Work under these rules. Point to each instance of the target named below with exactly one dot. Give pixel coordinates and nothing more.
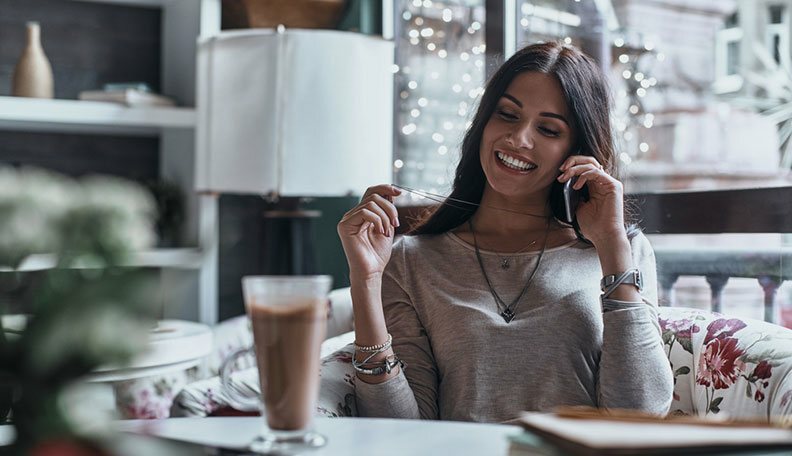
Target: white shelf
(148, 3)
(186, 258)
(75, 116)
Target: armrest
(340, 319)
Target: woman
(489, 310)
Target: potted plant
(87, 311)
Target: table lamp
(293, 114)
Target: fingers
(374, 219)
(375, 210)
(385, 190)
(575, 160)
(589, 173)
(578, 170)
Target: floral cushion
(151, 397)
(206, 397)
(337, 384)
(740, 368)
(723, 366)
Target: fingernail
(396, 222)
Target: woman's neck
(502, 216)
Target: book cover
(128, 97)
(606, 435)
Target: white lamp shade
(297, 112)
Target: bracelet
(609, 283)
(384, 367)
(375, 348)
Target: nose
(521, 136)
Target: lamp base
(290, 241)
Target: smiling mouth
(514, 163)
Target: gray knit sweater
(464, 362)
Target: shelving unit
(179, 258)
(188, 274)
(74, 116)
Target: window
(727, 57)
(439, 77)
(777, 34)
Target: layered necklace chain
(507, 311)
(505, 260)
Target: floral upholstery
(740, 368)
(191, 393)
(151, 397)
(206, 397)
(723, 366)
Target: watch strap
(630, 277)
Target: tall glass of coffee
(288, 315)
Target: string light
(439, 60)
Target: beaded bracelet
(375, 348)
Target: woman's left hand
(601, 218)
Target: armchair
(723, 366)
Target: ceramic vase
(33, 73)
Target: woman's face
(528, 136)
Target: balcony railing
(769, 266)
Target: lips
(514, 162)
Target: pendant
(505, 263)
(507, 315)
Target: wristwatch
(634, 277)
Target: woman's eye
(507, 115)
(548, 131)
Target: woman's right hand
(367, 230)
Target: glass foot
(288, 443)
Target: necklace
(507, 310)
(505, 260)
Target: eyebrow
(543, 114)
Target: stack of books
(128, 94)
(582, 431)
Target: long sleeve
(634, 372)
(413, 392)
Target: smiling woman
(484, 342)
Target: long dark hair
(586, 92)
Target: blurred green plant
(88, 311)
(774, 98)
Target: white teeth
(514, 163)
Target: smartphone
(571, 200)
